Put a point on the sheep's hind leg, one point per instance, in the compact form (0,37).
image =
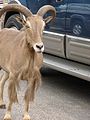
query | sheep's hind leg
(4,77)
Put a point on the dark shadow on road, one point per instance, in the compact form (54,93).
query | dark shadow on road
(74,85)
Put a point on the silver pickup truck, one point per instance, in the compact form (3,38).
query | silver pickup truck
(67,39)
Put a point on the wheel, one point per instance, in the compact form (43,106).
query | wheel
(12,22)
(77,28)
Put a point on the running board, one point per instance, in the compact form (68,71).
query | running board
(69,67)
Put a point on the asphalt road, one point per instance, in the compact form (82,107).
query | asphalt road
(61,97)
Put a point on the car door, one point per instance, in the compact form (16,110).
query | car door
(78,47)
(53,37)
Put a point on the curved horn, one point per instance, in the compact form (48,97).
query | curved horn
(47,8)
(15,7)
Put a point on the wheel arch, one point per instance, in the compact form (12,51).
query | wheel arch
(77,18)
(8,14)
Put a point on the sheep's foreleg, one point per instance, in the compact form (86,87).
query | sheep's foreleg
(12,96)
(2,82)
(8,113)
(29,96)
(26,114)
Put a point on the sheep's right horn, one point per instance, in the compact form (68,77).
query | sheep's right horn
(47,8)
(15,7)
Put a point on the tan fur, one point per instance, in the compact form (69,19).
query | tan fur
(21,62)
(21,54)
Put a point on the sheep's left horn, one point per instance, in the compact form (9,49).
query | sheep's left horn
(15,7)
(47,8)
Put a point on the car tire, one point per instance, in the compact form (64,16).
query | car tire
(12,22)
(77,28)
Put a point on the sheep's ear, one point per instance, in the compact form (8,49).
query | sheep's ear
(48,19)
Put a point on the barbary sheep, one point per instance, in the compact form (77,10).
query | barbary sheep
(21,54)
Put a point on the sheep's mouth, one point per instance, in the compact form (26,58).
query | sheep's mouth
(39,52)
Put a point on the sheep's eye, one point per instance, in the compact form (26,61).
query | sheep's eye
(28,24)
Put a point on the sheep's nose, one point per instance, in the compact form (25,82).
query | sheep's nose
(39,47)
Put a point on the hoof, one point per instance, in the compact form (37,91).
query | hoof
(26,117)
(7,117)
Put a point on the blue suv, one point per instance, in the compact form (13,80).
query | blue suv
(73,16)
